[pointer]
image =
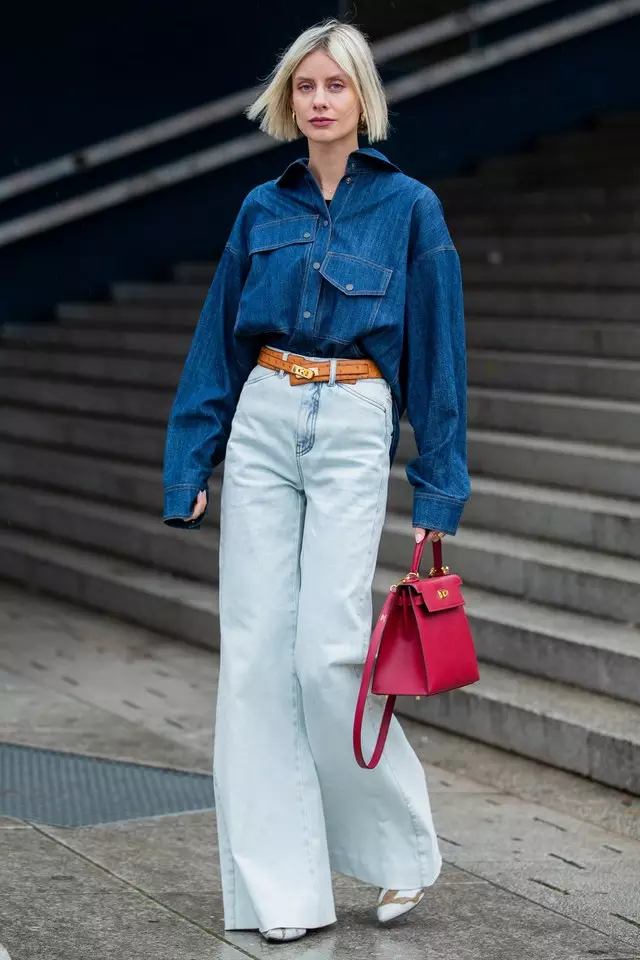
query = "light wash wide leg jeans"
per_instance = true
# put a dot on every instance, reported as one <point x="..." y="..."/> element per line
<point x="303" y="503"/>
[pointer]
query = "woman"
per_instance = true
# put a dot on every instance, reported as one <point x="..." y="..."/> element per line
<point x="335" y="306"/>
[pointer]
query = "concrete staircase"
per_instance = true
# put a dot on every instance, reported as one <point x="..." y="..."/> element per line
<point x="549" y="547"/>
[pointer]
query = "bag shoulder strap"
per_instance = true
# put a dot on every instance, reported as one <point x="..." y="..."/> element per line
<point x="374" y="646"/>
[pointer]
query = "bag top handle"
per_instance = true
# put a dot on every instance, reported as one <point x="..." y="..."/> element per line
<point x="437" y="556"/>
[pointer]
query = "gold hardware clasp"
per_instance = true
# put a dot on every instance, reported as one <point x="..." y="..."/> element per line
<point x="434" y="570"/>
<point x="443" y="593"/>
<point x="308" y="373"/>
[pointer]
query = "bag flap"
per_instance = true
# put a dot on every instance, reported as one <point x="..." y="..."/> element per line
<point x="279" y="233"/>
<point x="440" y="593"/>
<point x="355" y="276"/>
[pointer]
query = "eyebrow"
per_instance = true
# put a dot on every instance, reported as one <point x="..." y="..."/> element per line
<point x="336" y="76"/>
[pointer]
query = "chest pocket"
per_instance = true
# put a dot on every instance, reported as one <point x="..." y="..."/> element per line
<point x="279" y="255"/>
<point x="356" y="289"/>
<point x="282" y="233"/>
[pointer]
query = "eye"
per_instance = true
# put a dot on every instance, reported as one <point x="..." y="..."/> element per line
<point x="337" y="83"/>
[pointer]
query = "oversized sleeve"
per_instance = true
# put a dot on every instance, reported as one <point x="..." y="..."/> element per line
<point x="213" y="374"/>
<point x="434" y="365"/>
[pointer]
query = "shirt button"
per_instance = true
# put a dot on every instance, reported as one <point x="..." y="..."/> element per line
<point x="326" y="223"/>
<point x="307" y="234"/>
<point x="306" y="314"/>
<point x="349" y="286"/>
<point x="348" y="179"/>
<point x="316" y="266"/>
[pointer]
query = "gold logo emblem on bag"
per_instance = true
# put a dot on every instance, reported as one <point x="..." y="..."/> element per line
<point x="443" y="593"/>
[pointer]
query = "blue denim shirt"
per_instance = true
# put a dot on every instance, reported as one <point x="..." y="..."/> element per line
<point x="375" y="275"/>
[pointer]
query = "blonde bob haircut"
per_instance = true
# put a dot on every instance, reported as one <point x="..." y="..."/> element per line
<point x="350" y="49"/>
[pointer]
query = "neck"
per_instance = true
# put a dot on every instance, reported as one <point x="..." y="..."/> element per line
<point x="328" y="162"/>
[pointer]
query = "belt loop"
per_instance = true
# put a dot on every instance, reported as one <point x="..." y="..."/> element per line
<point x="332" y="375"/>
<point x="285" y="355"/>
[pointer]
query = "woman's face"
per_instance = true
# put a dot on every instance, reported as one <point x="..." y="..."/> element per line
<point x="321" y="89"/>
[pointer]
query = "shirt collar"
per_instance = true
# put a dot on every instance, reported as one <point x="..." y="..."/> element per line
<point x="362" y="157"/>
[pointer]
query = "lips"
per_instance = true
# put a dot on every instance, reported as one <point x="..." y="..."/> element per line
<point x="323" y="122"/>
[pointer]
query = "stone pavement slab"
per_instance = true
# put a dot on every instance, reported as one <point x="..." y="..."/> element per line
<point x="530" y="869"/>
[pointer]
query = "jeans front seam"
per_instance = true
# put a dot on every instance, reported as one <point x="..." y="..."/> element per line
<point x="298" y="708"/>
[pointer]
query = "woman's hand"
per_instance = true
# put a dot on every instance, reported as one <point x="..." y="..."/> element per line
<point x="200" y="504"/>
<point x="432" y="535"/>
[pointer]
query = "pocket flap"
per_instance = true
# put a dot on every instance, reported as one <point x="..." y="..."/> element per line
<point x="355" y="276"/>
<point x="279" y="233"/>
<point x="440" y="593"/>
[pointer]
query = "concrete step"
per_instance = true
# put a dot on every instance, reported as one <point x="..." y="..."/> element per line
<point x="467" y="195"/>
<point x="610" y="248"/>
<point x="169" y="308"/>
<point x="135" y="370"/>
<point x="555" y="275"/>
<point x="150" y="342"/>
<point x="621" y="305"/>
<point x="539" y="641"/>
<point x="574" y="730"/>
<point x="168" y="604"/>
<point x="548" y="372"/>
<point x="602" y="524"/>
<point x="120" y="401"/>
<point x="587" y="733"/>
<point x="101" y="478"/>
<point x="169" y="294"/>
<point x="135" y="442"/>
<point x="531" y="222"/>
<point x="557" y="575"/>
<point x="597" y="523"/>
<point x="594" y="654"/>
<point x="592" y="155"/>
<point x="571" y="465"/>
<point x="592" y="338"/>
<point x="597" y="468"/>
<point x="560" y="415"/>
<point x="591" y="419"/>
<point x="109" y="529"/>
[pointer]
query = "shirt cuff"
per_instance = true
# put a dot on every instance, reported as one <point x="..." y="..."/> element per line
<point x="436" y="513"/>
<point x="178" y="506"/>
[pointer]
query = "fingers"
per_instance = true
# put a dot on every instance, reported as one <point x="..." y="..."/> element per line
<point x="420" y="533"/>
<point x="199" y="506"/>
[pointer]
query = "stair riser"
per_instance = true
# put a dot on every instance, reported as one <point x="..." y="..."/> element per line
<point x="602" y="671"/>
<point x="133" y="442"/>
<point x="609" y="760"/>
<point x="544" y="249"/>
<point x="164" y="614"/>
<point x="591" y="338"/>
<point x="105" y="483"/>
<point x="159" y="549"/>
<point x="134" y="370"/>
<point x="539" y="223"/>
<point x="610" y="340"/>
<point x="587" y="275"/>
<point x="554" y="420"/>
<point x="589" y="593"/>
<point x="114" y="341"/>
<point x="568" y="469"/>
<point x="560" y="524"/>
<point x="575" y="305"/>
<point x="561" y="156"/>
<point x="573" y="377"/>
<point x="168" y="309"/>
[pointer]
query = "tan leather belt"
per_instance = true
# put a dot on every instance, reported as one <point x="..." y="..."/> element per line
<point x="304" y="370"/>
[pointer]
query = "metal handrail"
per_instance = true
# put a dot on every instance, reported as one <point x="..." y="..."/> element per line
<point x="407" y="41"/>
<point x="251" y="144"/>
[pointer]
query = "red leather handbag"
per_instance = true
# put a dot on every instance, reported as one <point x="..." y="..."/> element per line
<point x="420" y="646"/>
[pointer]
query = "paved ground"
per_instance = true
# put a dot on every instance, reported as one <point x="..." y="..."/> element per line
<point x="538" y="863"/>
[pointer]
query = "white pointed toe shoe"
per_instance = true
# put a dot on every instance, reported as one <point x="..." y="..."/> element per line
<point x="283" y="933"/>
<point x="394" y="903"/>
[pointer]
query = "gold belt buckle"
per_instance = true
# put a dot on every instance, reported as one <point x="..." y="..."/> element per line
<point x="307" y="372"/>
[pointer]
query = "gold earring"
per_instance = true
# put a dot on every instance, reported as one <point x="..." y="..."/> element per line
<point x="293" y="114"/>
<point x="362" y="125"/>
